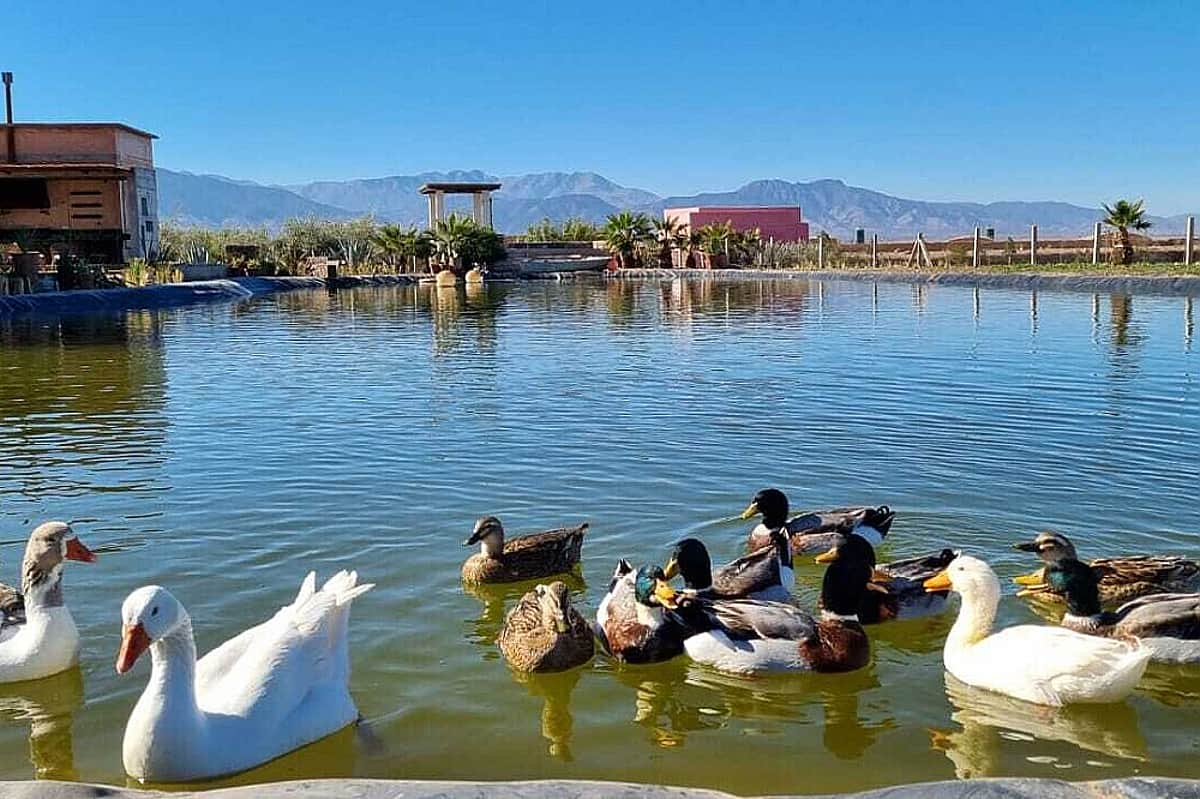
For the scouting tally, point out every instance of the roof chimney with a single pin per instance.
(8, 118)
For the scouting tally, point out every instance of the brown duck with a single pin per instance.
(543, 632)
(528, 557)
(1120, 579)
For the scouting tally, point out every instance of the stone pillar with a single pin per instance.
(432, 197)
(1033, 245)
(487, 210)
(1189, 240)
(477, 210)
(975, 250)
(1096, 244)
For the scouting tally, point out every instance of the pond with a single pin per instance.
(223, 451)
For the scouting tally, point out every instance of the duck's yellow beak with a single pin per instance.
(828, 557)
(666, 594)
(1033, 578)
(671, 568)
(1034, 590)
(751, 510)
(938, 582)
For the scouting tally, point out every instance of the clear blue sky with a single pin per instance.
(1077, 101)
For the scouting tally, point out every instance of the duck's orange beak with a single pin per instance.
(77, 551)
(938, 582)
(134, 642)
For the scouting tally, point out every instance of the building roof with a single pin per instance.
(458, 188)
(724, 208)
(84, 125)
(64, 170)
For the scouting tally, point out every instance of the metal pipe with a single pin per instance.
(7, 77)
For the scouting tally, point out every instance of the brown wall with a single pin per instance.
(74, 204)
(82, 144)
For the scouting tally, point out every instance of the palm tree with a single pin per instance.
(1124, 215)
(449, 235)
(666, 231)
(391, 241)
(623, 232)
(714, 240)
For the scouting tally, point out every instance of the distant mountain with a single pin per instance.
(828, 205)
(212, 200)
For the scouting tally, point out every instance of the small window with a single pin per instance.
(146, 210)
(22, 193)
(149, 226)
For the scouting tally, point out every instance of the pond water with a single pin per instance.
(223, 451)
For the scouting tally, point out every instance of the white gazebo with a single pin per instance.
(481, 211)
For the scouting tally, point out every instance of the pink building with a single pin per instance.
(779, 222)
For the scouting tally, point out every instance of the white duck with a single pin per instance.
(1044, 665)
(40, 639)
(270, 690)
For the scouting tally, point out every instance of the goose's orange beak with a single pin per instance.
(134, 642)
(77, 551)
(938, 582)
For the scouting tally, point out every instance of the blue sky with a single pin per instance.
(1075, 101)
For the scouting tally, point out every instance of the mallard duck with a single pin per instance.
(267, 691)
(763, 574)
(746, 636)
(544, 633)
(42, 639)
(903, 595)
(633, 623)
(817, 531)
(1040, 664)
(529, 557)
(1121, 579)
(1169, 624)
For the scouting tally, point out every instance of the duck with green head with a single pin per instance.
(636, 622)
(528, 557)
(1167, 624)
(899, 586)
(816, 531)
(1120, 579)
(765, 573)
(746, 636)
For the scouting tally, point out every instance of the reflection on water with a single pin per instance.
(224, 451)
(555, 693)
(995, 729)
(48, 708)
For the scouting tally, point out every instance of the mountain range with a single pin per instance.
(829, 205)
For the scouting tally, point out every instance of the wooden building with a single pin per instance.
(88, 189)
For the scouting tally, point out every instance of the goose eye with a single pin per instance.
(154, 611)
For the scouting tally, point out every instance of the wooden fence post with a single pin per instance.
(1096, 244)
(1033, 245)
(874, 250)
(975, 249)
(1189, 240)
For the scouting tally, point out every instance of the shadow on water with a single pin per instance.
(48, 706)
(996, 732)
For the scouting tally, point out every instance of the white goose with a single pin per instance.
(1046, 665)
(38, 636)
(271, 689)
